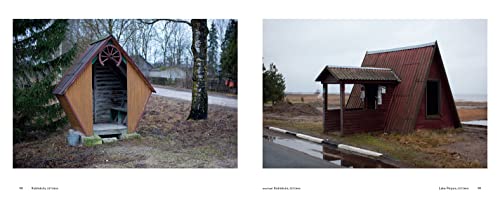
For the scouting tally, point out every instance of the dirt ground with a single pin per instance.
(167, 141)
(449, 148)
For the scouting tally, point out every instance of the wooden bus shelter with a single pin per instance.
(395, 90)
(104, 92)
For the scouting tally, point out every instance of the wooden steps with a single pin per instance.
(109, 129)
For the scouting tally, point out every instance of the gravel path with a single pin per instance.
(221, 101)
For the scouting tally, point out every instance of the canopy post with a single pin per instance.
(342, 97)
(325, 105)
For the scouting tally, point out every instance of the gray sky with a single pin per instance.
(301, 48)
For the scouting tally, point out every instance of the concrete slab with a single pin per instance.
(109, 140)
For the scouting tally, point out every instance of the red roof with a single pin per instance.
(92, 51)
(411, 64)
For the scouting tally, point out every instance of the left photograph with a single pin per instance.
(125, 93)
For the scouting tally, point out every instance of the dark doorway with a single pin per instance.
(371, 96)
(433, 97)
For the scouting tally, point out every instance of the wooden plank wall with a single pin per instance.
(108, 92)
(79, 97)
(138, 95)
(70, 113)
(356, 121)
(332, 120)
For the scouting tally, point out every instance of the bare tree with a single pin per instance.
(165, 39)
(145, 33)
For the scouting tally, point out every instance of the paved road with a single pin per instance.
(183, 95)
(277, 156)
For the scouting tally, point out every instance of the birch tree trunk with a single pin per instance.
(199, 101)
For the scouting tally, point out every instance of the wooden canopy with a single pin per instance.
(350, 75)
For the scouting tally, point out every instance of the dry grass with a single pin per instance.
(432, 146)
(168, 141)
(314, 99)
(472, 114)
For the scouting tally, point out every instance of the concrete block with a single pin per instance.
(74, 137)
(109, 140)
(91, 140)
(133, 135)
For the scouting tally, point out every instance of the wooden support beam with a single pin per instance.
(342, 97)
(325, 105)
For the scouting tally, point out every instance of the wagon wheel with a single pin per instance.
(110, 52)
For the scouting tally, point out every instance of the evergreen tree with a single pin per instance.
(229, 57)
(213, 46)
(273, 85)
(38, 63)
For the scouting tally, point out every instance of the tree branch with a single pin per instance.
(167, 20)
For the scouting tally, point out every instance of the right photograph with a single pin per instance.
(374, 93)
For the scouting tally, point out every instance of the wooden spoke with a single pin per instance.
(110, 52)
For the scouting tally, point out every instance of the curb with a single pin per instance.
(327, 142)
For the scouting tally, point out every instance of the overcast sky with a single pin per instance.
(301, 48)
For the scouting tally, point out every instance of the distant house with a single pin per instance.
(395, 90)
(173, 72)
(143, 64)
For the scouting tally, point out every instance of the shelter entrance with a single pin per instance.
(370, 96)
(109, 91)
(372, 83)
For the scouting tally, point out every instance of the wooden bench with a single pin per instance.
(119, 113)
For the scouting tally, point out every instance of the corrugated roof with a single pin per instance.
(347, 74)
(411, 64)
(91, 52)
(402, 48)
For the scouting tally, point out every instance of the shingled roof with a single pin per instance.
(90, 53)
(356, 74)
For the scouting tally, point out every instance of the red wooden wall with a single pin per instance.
(357, 121)
(332, 120)
(445, 120)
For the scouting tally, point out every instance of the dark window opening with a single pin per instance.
(432, 94)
